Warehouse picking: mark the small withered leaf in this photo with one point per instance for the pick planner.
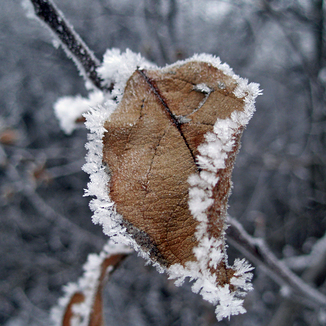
(68, 316)
(151, 152)
(9, 136)
(82, 303)
(163, 177)
(108, 265)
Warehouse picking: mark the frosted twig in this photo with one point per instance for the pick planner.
(317, 255)
(313, 266)
(72, 43)
(256, 249)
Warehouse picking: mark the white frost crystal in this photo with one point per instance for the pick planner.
(117, 68)
(213, 153)
(69, 108)
(87, 285)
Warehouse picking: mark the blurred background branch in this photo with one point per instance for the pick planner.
(256, 250)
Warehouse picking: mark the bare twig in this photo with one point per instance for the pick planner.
(72, 43)
(256, 250)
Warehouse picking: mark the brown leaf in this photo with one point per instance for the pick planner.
(108, 265)
(150, 147)
(89, 291)
(40, 174)
(78, 297)
(9, 136)
(160, 164)
(80, 120)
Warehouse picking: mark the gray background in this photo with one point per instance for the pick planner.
(279, 178)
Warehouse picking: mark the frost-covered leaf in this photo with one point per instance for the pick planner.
(82, 303)
(163, 176)
(69, 317)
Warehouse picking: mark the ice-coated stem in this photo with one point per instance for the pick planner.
(255, 249)
(72, 43)
(82, 303)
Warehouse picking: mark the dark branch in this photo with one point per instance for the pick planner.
(72, 43)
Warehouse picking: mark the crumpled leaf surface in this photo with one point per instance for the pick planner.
(150, 149)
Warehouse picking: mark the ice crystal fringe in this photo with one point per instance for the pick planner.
(87, 285)
(69, 108)
(210, 252)
(117, 67)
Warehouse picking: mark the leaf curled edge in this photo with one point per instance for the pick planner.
(167, 155)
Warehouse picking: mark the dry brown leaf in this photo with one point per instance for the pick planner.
(151, 147)
(80, 119)
(78, 297)
(40, 174)
(108, 266)
(163, 177)
(84, 306)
